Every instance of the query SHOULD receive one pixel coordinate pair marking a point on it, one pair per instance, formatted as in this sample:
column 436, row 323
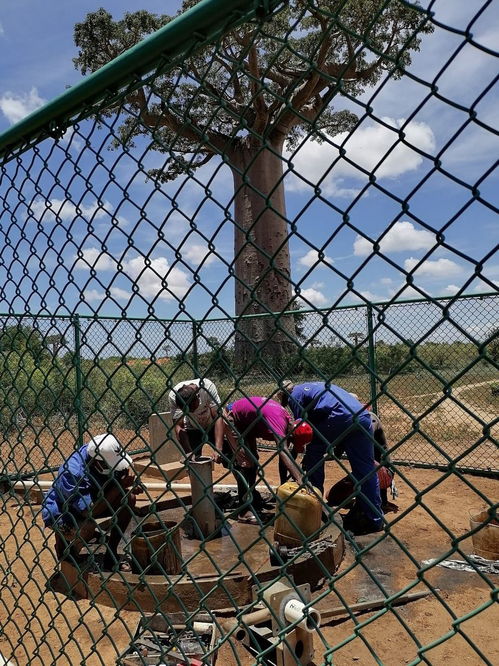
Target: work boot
column 358, row 523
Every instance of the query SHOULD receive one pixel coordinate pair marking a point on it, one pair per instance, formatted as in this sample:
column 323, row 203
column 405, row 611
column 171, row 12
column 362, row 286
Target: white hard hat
column 107, row 448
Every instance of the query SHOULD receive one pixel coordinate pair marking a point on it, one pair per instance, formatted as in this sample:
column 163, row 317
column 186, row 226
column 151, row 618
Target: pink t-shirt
column 260, row 417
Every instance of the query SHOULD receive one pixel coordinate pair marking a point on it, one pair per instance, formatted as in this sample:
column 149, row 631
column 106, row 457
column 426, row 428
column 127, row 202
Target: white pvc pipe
column 294, row 611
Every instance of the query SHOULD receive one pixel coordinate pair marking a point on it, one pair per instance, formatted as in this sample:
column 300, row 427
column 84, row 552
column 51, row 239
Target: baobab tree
column 259, row 91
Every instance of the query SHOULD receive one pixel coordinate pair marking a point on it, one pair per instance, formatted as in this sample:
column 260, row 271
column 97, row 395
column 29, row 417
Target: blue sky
column 36, row 46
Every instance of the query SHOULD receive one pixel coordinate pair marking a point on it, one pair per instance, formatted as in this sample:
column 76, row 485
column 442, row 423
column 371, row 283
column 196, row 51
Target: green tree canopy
column 261, row 88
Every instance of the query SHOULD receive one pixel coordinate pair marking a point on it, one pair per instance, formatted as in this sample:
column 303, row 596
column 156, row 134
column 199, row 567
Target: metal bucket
column 486, row 540
column 156, row 548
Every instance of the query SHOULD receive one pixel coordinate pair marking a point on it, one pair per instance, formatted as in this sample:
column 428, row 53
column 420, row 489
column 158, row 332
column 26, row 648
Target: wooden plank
column 166, row 500
column 172, row 471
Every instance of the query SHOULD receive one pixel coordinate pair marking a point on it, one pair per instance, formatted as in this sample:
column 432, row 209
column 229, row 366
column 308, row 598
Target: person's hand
column 138, row 488
column 216, row 457
column 128, row 480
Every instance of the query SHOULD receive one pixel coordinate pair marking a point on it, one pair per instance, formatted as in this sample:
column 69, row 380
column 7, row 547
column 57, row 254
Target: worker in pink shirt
column 247, row 420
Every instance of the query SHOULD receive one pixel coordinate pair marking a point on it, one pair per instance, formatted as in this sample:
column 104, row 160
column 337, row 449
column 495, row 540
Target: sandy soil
column 42, row 628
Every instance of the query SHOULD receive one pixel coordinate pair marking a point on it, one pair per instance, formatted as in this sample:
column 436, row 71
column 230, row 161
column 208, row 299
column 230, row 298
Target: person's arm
column 73, row 485
column 218, row 433
column 182, row 436
column 212, row 391
column 174, row 410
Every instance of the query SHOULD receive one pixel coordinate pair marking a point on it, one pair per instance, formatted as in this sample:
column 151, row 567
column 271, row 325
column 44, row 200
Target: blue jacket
column 73, row 490
column 316, row 402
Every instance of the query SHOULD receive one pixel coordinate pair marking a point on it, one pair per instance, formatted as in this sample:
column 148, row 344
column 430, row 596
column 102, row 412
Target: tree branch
column 192, row 132
column 256, row 91
column 238, row 94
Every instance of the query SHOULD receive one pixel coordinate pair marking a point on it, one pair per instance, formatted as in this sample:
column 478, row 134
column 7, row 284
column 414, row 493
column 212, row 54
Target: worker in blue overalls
column 338, row 418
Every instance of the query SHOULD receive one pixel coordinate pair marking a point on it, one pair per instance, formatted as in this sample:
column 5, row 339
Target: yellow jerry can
column 298, row 514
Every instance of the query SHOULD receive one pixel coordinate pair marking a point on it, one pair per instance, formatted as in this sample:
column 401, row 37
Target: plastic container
column 486, row 540
column 156, row 548
column 298, row 516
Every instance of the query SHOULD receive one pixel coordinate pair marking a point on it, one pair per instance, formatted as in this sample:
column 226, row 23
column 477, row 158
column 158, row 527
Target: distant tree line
column 38, row 374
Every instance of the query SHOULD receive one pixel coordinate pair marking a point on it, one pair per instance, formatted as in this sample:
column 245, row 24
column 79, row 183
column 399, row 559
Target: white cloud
column 2, row 31
column 96, row 259
column 408, row 292
column 370, row 296
column 440, row 268
column 15, row 107
column 92, row 295
column 450, row 290
column 153, row 277
column 401, row 237
column 365, row 148
column 313, row 296
column 71, row 138
column 66, row 210
column 196, row 253
column 482, row 287
column 312, row 259
column 120, row 294
column 386, row 281
column 150, row 279
column 491, row 270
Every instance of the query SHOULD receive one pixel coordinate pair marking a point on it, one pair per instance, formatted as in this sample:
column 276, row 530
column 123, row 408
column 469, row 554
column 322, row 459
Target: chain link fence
column 254, row 194
column 104, row 374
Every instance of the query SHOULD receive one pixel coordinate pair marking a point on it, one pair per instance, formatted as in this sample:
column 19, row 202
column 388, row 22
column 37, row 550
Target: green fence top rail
column 199, row 24
column 378, row 304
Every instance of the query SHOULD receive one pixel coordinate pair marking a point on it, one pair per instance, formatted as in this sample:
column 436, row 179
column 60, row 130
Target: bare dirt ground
column 433, row 428
column 42, row 628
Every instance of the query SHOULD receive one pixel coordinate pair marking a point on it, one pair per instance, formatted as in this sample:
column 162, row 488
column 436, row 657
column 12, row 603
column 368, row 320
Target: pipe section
column 308, row 619
column 148, row 485
column 203, row 502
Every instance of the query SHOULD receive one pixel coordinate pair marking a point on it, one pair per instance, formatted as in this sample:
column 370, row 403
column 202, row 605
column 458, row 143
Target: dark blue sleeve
column 300, row 399
column 75, row 491
column 73, row 485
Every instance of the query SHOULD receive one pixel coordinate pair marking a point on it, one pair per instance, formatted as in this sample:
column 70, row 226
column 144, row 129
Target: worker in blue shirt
column 95, row 481
column 338, row 418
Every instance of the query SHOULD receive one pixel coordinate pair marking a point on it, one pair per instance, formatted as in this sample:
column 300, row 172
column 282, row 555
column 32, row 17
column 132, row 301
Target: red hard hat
column 302, row 435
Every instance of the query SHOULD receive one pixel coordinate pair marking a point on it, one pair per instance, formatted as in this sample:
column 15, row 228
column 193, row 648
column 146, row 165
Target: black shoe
column 358, row 524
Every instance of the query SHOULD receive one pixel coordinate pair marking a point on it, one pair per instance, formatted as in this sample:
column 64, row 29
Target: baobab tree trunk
column 261, row 257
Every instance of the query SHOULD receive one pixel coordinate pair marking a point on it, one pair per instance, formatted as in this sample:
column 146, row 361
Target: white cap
column 107, row 448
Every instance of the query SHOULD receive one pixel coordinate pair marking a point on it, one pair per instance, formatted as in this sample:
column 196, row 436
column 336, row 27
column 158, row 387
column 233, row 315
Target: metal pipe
column 207, row 18
column 256, row 617
column 79, row 380
column 148, row 485
column 373, row 371
column 203, row 502
column 264, row 614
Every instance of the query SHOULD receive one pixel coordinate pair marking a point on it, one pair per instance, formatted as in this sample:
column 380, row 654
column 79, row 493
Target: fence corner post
column 79, row 380
column 195, row 360
column 372, row 359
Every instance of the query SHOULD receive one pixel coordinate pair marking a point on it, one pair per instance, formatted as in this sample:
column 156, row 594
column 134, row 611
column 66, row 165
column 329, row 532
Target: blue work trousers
column 359, row 449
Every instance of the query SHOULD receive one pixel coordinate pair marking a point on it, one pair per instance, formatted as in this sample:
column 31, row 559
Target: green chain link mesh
column 117, row 197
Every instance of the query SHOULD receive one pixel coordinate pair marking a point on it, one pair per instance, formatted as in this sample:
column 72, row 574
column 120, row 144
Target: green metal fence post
column 79, row 380
column 372, row 359
column 195, row 359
